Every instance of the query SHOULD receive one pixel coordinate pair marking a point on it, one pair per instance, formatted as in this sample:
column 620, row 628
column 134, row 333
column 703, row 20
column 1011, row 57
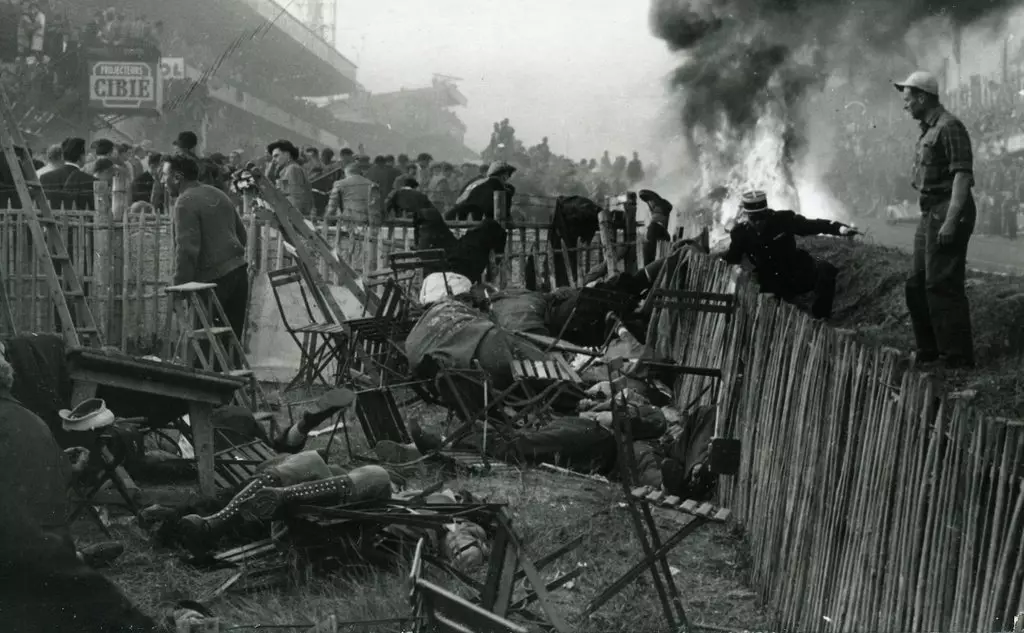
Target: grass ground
column 548, row 510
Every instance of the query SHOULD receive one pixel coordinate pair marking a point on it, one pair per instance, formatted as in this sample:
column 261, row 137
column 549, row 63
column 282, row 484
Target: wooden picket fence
column 871, row 501
column 126, row 257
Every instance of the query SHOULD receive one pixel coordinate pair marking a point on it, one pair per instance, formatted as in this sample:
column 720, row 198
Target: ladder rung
column 87, row 330
column 74, row 294
column 240, row 373
column 263, row 415
column 214, row 331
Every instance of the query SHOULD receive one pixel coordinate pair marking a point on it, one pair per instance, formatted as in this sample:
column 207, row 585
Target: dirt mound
column 870, row 301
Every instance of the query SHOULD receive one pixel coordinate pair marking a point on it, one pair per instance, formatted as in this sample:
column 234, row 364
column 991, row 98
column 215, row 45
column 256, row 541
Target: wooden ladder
column 196, row 304
column 65, row 287
column 306, row 245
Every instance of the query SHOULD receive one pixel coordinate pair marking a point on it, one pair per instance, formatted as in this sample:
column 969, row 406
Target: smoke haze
column 751, row 78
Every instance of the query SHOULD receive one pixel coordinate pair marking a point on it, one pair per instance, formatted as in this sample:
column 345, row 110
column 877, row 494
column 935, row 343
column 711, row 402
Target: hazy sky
column 585, row 73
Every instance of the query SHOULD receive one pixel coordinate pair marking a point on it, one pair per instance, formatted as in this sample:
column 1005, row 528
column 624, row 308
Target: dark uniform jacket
column 781, row 267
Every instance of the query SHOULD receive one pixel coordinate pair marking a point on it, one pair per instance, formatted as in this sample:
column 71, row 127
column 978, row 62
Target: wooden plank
column 200, row 419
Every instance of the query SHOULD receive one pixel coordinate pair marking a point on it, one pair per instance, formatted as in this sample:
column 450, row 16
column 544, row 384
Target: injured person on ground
column 767, row 238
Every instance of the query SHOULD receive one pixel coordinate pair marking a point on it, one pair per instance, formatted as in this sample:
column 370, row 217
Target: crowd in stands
column 543, row 173
column 870, row 174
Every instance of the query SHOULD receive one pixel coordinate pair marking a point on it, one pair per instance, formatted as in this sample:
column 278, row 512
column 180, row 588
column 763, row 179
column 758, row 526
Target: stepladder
column 200, row 336
column 64, row 285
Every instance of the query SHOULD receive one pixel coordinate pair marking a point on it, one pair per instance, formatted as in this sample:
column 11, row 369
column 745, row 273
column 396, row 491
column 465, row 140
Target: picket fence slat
column 870, row 501
column 125, row 256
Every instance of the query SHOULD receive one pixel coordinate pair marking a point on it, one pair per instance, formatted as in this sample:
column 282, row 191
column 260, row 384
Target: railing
column 871, row 501
column 126, row 257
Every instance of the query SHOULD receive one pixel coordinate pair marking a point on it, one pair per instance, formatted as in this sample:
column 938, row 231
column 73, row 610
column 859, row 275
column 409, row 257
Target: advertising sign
column 172, row 68
column 124, row 81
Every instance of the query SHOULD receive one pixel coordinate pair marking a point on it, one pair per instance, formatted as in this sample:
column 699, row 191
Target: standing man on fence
column 209, row 238
column 943, row 176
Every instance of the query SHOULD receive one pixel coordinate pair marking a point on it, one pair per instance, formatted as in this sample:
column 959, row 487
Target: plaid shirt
column 943, row 149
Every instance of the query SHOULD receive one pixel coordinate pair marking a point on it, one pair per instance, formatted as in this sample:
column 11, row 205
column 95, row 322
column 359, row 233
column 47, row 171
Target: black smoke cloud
column 742, row 55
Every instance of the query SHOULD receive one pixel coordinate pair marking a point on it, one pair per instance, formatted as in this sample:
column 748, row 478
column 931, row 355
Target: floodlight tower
column 321, row 16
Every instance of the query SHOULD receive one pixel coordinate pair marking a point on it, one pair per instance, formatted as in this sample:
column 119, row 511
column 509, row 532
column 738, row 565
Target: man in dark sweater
column 209, row 237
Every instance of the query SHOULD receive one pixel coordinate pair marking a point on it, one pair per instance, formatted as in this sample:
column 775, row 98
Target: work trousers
column 935, row 290
column 233, row 293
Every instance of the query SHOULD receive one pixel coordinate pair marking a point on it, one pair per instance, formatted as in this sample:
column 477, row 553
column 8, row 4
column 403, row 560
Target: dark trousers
column 935, row 291
column 824, row 289
column 813, row 275
column 233, row 293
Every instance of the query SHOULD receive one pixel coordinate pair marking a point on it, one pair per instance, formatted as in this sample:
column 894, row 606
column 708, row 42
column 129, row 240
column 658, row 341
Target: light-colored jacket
column 294, row 183
column 357, row 199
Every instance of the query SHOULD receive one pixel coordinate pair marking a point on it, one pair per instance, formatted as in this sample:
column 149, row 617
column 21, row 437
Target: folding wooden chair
column 545, row 381
column 508, row 565
column 438, row 610
column 724, row 458
column 112, row 447
column 595, row 300
column 377, row 341
column 322, row 344
column 380, row 417
column 405, row 264
column 641, row 502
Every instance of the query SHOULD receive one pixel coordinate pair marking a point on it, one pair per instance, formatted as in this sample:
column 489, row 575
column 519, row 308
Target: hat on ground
column 754, row 201
column 91, row 414
column 922, row 80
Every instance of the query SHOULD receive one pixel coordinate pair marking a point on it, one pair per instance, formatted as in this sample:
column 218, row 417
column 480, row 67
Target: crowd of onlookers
column 871, row 170
column 544, row 174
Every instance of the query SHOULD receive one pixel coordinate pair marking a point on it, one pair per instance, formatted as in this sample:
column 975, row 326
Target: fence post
column 252, row 239
column 501, row 210
column 103, row 264
column 604, row 222
column 633, row 251
column 120, row 201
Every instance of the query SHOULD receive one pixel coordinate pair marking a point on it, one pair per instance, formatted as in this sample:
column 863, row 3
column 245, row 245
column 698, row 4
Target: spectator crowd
column 875, row 151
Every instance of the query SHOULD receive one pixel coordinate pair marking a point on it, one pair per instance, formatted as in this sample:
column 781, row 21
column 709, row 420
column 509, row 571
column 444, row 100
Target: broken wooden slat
column 704, row 510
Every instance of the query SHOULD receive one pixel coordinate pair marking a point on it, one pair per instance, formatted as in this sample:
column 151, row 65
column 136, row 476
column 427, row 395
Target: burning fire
column 758, row 158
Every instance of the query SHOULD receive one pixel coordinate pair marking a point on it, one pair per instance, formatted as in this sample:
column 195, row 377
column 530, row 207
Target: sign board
column 124, row 80
column 172, row 68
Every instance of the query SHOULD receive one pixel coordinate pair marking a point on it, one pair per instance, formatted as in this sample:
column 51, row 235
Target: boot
column 365, row 483
column 196, row 529
column 327, row 405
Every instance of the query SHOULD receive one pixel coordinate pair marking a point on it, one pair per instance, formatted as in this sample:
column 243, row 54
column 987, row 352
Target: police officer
column 767, row 238
column 943, row 176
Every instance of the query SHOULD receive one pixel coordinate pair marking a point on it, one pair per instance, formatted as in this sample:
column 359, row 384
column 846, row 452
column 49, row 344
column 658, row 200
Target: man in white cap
column 768, row 239
column 943, row 176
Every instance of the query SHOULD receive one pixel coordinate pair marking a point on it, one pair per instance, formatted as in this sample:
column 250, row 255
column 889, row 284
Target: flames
column 760, row 157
